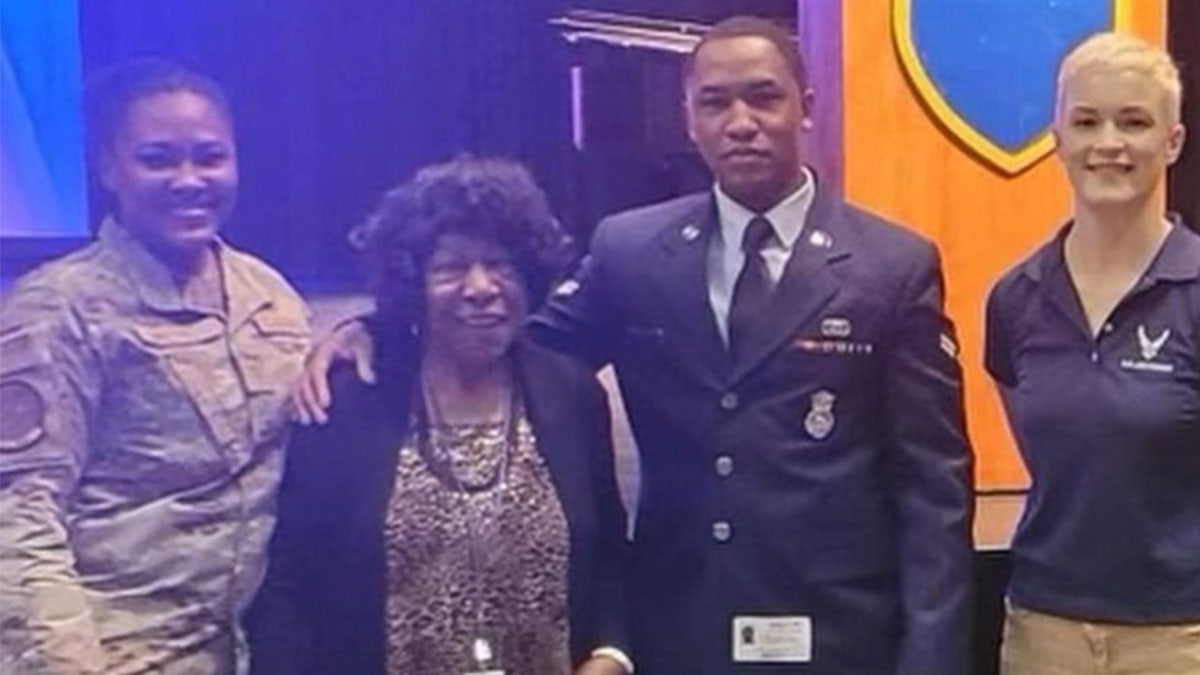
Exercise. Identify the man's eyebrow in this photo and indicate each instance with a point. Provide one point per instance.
(763, 84)
(753, 85)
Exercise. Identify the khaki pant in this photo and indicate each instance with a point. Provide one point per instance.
(1044, 644)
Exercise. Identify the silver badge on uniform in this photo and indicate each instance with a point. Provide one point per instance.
(690, 233)
(820, 420)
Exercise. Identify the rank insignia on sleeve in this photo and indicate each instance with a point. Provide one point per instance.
(948, 345)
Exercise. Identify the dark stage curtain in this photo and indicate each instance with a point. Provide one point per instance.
(1184, 192)
(336, 101)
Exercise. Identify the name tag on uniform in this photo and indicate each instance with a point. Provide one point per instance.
(772, 639)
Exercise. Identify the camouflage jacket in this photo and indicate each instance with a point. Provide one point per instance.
(140, 452)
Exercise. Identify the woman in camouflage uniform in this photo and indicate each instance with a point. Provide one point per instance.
(143, 391)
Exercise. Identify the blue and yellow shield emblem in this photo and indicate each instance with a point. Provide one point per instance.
(985, 69)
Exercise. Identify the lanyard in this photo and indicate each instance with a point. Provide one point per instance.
(439, 457)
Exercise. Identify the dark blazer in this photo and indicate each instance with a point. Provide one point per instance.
(828, 475)
(322, 605)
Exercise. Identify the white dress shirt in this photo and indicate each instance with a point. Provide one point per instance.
(725, 257)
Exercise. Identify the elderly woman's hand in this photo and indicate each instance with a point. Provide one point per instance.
(349, 341)
(601, 665)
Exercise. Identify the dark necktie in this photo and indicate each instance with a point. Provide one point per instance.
(752, 292)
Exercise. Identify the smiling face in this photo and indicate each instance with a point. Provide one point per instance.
(1116, 134)
(745, 112)
(474, 300)
(172, 167)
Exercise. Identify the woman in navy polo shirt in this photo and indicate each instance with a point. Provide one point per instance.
(1094, 341)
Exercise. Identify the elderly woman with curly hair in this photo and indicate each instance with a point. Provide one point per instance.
(459, 515)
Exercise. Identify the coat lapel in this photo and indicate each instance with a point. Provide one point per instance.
(807, 284)
(555, 420)
(681, 268)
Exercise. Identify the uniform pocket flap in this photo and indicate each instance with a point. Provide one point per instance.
(280, 321)
(174, 334)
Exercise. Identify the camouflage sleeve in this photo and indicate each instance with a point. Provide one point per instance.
(49, 382)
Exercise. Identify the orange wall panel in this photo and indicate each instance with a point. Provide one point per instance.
(897, 161)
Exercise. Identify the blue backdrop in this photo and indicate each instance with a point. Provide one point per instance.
(42, 189)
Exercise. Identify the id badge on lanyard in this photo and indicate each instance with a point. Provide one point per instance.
(772, 639)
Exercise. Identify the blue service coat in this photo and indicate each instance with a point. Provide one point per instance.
(827, 475)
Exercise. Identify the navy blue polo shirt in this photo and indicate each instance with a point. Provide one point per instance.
(1109, 428)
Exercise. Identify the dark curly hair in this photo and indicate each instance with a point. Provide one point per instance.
(493, 198)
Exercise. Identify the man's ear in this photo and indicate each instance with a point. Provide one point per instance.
(808, 100)
(687, 118)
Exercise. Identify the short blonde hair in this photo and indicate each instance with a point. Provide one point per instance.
(1124, 51)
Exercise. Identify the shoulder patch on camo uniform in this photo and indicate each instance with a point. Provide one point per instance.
(22, 415)
(22, 406)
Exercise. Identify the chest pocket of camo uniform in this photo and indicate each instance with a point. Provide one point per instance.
(168, 400)
(270, 349)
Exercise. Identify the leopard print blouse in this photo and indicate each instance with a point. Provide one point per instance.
(489, 562)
